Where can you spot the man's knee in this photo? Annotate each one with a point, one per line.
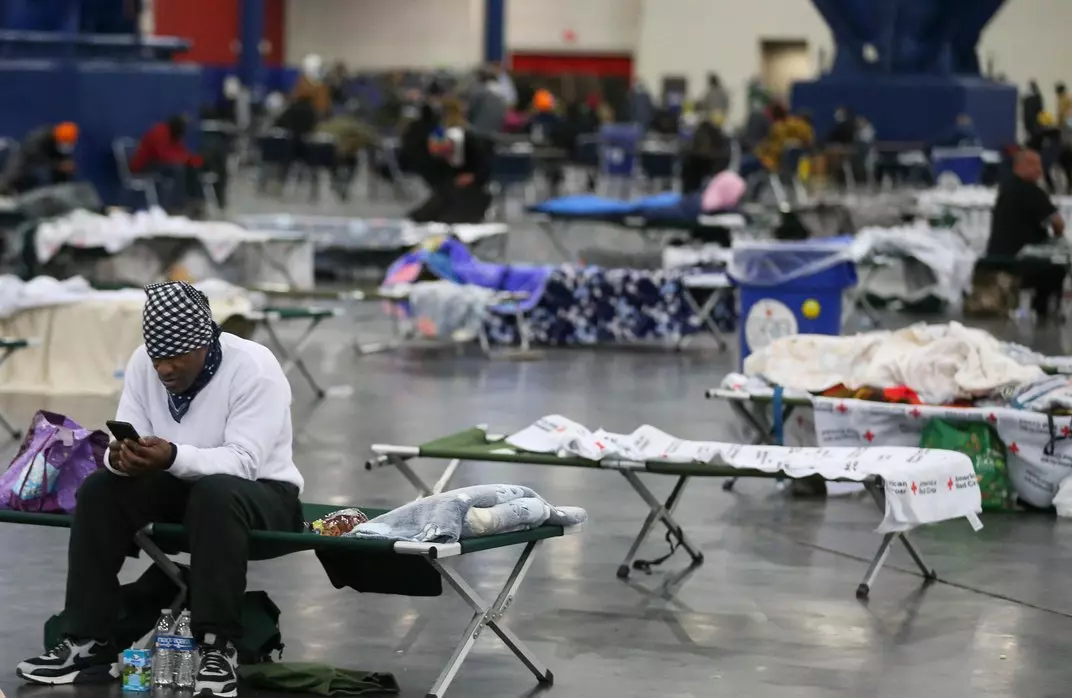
(215, 498)
(99, 489)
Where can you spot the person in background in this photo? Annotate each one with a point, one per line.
(707, 154)
(963, 134)
(162, 153)
(351, 137)
(1024, 215)
(214, 453)
(787, 131)
(311, 86)
(843, 132)
(1064, 104)
(1030, 107)
(641, 104)
(45, 157)
(1046, 139)
(547, 128)
(462, 195)
(504, 85)
(716, 99)
(338, 82)
(487, 106)
(413, 154)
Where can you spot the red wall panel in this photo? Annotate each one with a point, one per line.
(213, 26)
(603, 65)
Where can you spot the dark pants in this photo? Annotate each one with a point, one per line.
(452, 204)
(218, 511)
(696, 170)
(1039, 275)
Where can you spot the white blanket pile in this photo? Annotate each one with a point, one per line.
(946, 259)
(942, 363)
(118, 229)
(922, 486)
(17, 295)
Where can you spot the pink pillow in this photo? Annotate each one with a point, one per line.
(724, 192)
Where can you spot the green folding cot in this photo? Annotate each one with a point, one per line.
(477, 445)
(155, 539)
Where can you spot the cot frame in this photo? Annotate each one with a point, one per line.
(8, 347)
(291, 357)
(658, 511)
(487, 613)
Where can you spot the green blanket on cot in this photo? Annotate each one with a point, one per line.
(317, 679)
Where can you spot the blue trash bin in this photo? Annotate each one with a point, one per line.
(788, 288)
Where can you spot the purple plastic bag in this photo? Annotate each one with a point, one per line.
(55, 457)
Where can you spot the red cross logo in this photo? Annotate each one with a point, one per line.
(992, 418)
(950, 483)
(841, 408)
(600, 445)
(770, 312)
(1066, 430)
(1014, 448)
(800, 422)
(869, 436)
(915, 412)
(914, 488)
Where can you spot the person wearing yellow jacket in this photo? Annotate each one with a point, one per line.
(787, 131)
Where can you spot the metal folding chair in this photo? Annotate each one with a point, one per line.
(122, 149)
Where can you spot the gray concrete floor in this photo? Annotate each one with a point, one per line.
(771, 613)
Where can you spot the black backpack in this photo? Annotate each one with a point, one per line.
(143, 599)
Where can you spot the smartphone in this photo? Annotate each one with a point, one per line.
(122, 431)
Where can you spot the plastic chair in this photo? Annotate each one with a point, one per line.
(513, 166)
(659, 162)
(276, 152)
(620, 143)
(122, 149)
(321, 154)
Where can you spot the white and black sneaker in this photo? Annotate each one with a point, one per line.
(217, 674)
(72, 661)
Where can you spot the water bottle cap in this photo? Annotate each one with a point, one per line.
(165, 610)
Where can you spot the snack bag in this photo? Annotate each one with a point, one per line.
(339, 523)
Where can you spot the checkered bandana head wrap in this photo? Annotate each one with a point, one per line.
(176, 320)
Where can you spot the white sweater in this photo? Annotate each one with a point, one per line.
(239, 424)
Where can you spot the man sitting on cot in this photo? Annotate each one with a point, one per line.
(214, 453)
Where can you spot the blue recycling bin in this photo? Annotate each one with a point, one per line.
(788, 288)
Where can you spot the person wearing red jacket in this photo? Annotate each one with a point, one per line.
(162, 154)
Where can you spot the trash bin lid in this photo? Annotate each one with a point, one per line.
(770, 263)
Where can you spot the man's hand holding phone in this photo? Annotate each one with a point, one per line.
(144, 455)
(132, 454)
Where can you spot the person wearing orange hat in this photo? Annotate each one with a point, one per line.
(546, 128)
(45, 157)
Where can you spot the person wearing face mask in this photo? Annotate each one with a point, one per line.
(45, 157)
(163, 154)
(461, 196)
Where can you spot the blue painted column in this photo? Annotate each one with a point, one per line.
(494, 31)
(250, 35)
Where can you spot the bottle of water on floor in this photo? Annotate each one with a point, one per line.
(185, 654)
(163, 664)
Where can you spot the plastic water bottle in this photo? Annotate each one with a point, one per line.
(185, 652)
(163, 664)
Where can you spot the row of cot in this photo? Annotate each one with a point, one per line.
(418, 560)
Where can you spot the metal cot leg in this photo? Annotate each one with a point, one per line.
(764, 428)
(877, 490)
(7, 352)
(704, 313)
(488, 615)
(551, 230)
(292, 359)
(658, 511)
